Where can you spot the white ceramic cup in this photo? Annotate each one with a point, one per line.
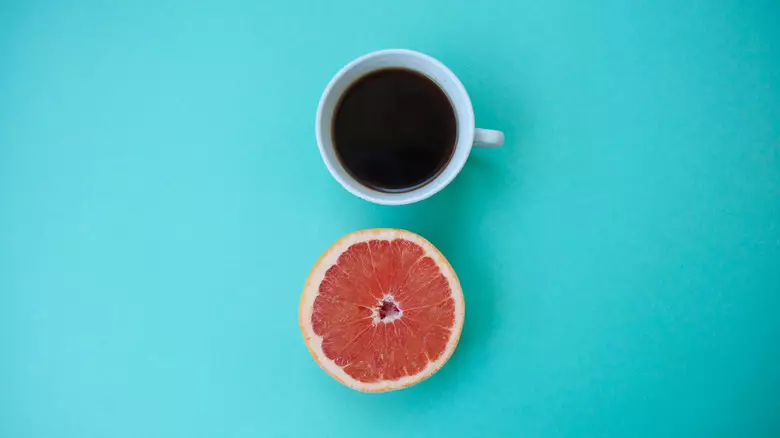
(468, 135)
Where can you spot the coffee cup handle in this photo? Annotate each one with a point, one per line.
(488, 138)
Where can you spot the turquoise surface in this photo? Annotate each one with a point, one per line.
(162, 201)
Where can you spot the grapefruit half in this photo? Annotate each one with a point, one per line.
(381, 310)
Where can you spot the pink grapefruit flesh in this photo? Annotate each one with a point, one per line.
(381, 310)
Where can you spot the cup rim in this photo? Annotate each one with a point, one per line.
(450, 171)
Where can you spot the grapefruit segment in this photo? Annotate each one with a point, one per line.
(381, 310)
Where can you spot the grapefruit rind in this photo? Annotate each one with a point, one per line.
(311, 290)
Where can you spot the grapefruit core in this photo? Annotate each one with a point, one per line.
(381, 310)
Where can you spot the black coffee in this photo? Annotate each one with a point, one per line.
(394, 130)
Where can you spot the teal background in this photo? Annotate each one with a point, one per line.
(162, 201)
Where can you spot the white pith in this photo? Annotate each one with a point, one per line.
(388, 319)
(311, 291)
